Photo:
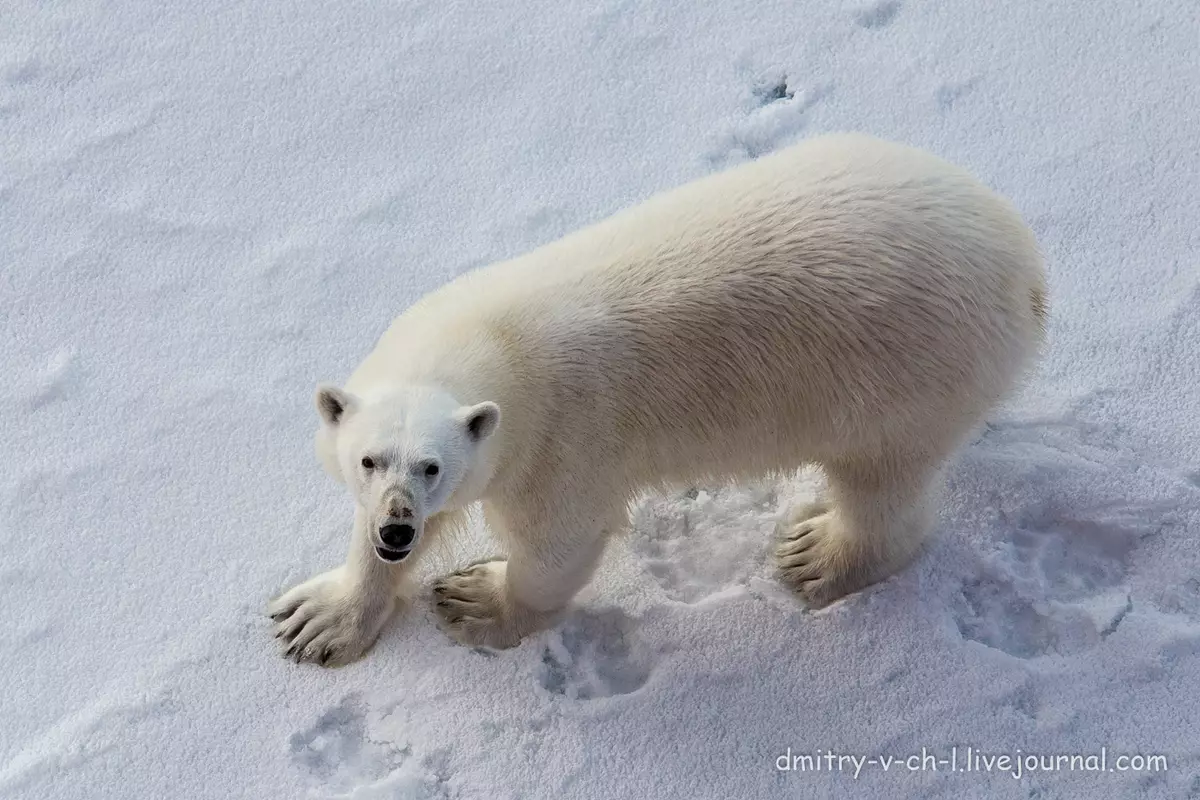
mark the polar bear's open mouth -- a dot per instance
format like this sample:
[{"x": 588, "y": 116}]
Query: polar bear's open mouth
[{"x": 391, "y": 556}]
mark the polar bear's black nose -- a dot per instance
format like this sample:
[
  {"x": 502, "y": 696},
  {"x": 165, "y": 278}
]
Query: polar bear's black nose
[{"x": 397, "y": 537}]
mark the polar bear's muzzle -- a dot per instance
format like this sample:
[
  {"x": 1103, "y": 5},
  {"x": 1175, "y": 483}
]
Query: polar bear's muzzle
[
  {"x": 395, "y": 541},
  {"x": 391, "y": 556}
]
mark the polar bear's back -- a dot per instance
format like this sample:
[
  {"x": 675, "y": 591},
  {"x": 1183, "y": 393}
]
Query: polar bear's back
[
  {"x": 845, "y": 289},
  {"x": 823, "y": 190},
  {"x": 843, "y": 208}
]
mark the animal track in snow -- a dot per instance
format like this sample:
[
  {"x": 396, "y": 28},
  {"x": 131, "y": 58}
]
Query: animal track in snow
[
  {"x": 1183, "y": 599},
  {"x": 24, "y": 72},
  {"x": 771, "y": 91},
  {"x": 595, "y": 654},
  {"x": 1060, "y": 587},
  {"x": 343, "y": 752},
  {"x": 878, "y": 15},
  {"x": 339, "y": 739},
  {"x": 778, "y": 109},
  {"x": 950, "y": 93},
  {"x": 54, "y": 380},
  {"x": 694, "y": 544}
]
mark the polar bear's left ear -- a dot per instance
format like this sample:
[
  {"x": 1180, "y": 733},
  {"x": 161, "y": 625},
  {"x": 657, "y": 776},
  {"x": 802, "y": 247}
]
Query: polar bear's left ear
[{"x": 479, "y": 420}]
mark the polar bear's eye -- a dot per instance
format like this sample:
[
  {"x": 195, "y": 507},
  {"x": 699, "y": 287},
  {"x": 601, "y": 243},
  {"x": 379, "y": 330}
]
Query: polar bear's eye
[
  {"x": 432, "y": 470},
  {"x": 368, "y": 462}
]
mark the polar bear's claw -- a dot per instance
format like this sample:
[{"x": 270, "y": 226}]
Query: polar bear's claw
[
  {"x": 473, "y": 608},
  {"x": 323, "y": 621},
  {"x": 813, "y": 557}
]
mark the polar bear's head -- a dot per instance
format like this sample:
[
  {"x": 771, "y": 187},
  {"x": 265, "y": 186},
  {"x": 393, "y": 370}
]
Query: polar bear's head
[{"x": 405, "y": 456}]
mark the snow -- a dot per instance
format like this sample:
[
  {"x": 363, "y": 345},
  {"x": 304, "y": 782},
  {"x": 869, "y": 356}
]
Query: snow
[{"x": 207, "y": 208}]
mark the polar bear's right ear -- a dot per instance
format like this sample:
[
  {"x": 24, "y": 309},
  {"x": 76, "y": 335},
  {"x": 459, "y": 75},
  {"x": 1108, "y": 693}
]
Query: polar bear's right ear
[{"x": 333, "y": 404}]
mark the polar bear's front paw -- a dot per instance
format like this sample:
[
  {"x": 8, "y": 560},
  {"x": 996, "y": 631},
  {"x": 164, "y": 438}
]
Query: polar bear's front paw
[
  {"x": 816, "y": 559},
  {"x": 327, "y": 621},
  {"x": 474, "y": 609}
]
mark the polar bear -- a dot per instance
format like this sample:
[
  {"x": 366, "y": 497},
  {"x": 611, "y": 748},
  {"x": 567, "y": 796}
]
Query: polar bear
[{"x": 846, "y": 302}]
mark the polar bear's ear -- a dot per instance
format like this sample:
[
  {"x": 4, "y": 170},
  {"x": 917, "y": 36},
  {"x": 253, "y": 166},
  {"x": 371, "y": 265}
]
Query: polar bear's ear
[
  {"x": 479, "y": 420},
  {"x": 333, "y": 404}
]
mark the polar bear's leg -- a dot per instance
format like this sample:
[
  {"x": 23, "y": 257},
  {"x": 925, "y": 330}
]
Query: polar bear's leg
[
  {"x": 496, "y": 603},
  {"x": 871, "y": 524},
  {"x": 335, "y": 617}
]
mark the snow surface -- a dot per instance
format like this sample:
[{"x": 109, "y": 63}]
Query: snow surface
[{"x": 208, "y": 207}]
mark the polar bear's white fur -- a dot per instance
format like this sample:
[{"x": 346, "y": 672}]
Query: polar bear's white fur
[{"x": 847, "y": 302}]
